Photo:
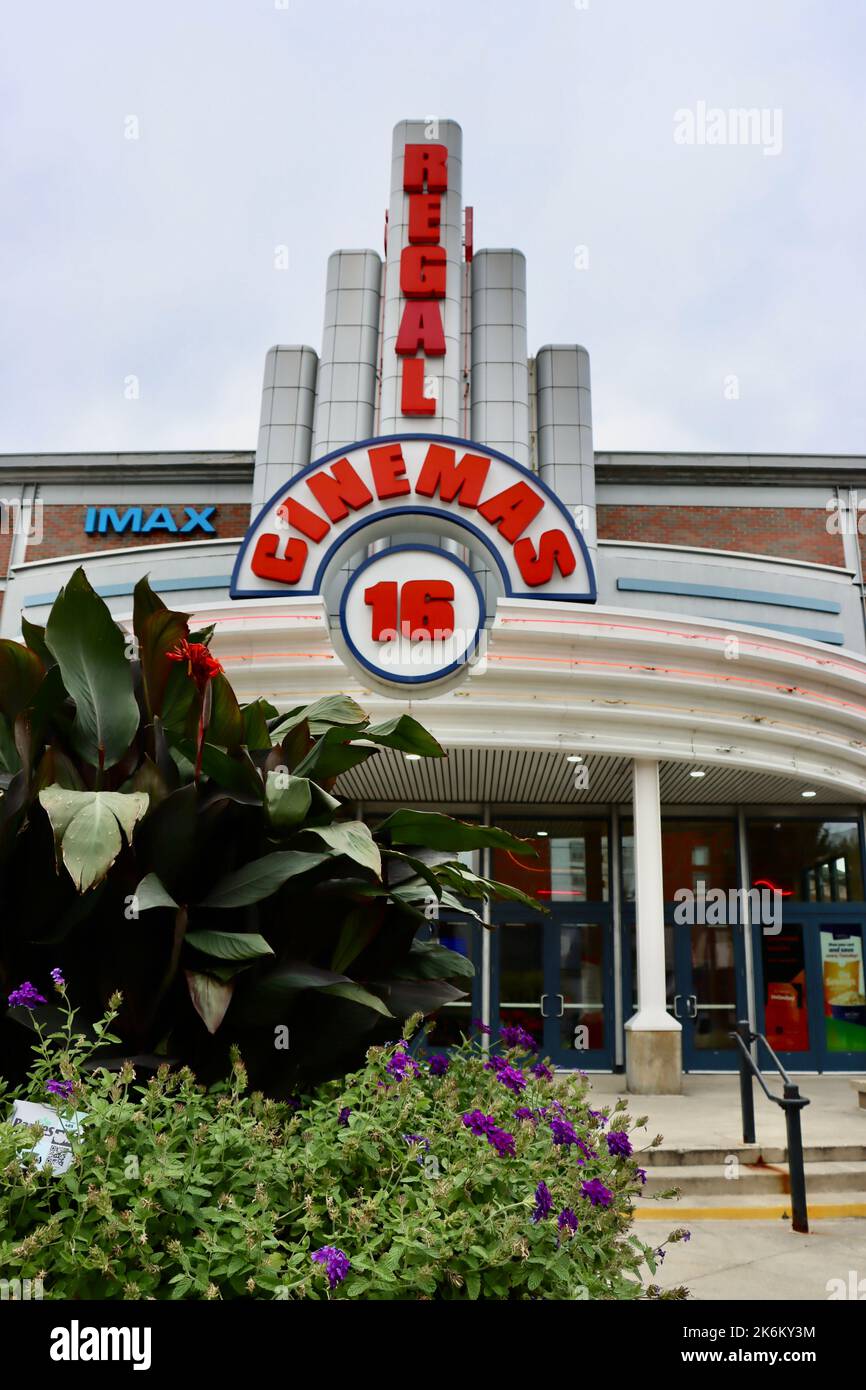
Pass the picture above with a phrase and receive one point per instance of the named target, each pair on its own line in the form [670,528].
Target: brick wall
[795,533]
[64,534]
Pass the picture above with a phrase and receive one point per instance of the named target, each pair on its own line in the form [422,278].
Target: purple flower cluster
[344,1116]
[439,1065]
[598,1194]
[513,1035]
[567,1220]
[542,1072]
[480,1027]
[618,1144]
[418,1139]
[402,1067]
[26,996]
[563,1132]
[57,977]
[511,1077]
[336,1262]
[480,1124]
[59,1088]
[543,1203]
[523,1112]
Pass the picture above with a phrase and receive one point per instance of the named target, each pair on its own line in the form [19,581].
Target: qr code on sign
[58,1156]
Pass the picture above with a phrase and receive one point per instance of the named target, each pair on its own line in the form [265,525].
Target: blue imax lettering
[101,520]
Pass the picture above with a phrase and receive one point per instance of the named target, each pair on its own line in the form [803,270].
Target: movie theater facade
[652,666]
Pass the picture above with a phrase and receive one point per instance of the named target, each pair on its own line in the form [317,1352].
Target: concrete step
[710,1180]
[750,1206]
[692,1157]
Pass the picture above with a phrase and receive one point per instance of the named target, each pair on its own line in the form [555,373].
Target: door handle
[561,998]
[541,1003]
[676,1006]
[692,1005]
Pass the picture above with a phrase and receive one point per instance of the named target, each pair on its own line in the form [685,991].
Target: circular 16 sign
[412,614]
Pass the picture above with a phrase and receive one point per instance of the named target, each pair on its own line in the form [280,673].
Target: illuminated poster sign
[413,613]
[844,991]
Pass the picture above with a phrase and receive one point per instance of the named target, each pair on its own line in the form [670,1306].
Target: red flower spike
[199,662]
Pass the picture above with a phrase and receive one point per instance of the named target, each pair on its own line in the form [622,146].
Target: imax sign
[101,520]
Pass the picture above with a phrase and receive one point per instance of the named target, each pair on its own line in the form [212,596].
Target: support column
[653,1039]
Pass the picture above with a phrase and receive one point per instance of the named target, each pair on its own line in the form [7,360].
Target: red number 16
[423,608]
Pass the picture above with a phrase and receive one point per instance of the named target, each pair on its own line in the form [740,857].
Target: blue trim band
[165,586]
[815,634]
[733,595]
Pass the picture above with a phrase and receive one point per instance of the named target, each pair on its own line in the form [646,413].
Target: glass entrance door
[553,972]
[812,993]
[707,992]
[553,977]
[809,968]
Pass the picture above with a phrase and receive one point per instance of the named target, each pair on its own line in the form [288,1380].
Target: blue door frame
[701,1017]
[824,1035]
[566,989]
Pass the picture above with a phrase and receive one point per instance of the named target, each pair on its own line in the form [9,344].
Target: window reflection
[693,853]
[812,861]
[570,864]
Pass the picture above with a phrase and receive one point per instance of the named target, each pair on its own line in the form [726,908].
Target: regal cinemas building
[652,666]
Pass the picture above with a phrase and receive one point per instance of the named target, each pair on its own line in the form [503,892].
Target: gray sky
[262,125]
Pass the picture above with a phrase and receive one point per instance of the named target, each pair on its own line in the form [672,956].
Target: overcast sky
[724,299]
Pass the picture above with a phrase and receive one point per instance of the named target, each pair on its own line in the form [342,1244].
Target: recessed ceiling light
[697,772]
[574,758]
[413,757]
[808,793]
[542,834]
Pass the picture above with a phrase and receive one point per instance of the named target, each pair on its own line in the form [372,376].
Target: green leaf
[354,840]
[333,753]
[229,945]
[427,960]
[91,653]
[21,674]
[261,877]
[407,735]
[435,831]
[158,631]
[358,995]
[470,885]
[226,725]
[321,715]
[34,636]
[358,929]
[152,893]
[255,717]
[210,997]
[287,800]
[86,828]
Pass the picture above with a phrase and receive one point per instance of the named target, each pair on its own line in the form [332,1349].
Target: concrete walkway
[748,1251]
[761,1261]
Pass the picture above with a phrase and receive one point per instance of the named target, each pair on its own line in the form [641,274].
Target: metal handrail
[791,1102]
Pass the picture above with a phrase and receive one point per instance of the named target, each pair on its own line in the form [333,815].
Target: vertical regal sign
[423,273]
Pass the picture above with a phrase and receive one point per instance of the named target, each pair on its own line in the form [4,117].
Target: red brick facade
[64,533]
[791,533]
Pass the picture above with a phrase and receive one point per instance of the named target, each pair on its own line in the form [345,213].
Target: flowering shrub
[413,1178]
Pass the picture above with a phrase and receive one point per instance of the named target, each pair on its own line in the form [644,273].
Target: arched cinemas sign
[412,613]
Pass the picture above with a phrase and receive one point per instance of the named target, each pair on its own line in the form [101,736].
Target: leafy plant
[160,839]
[476,1178]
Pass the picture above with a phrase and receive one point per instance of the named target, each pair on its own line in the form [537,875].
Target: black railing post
[796,1170]
[747,1093]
